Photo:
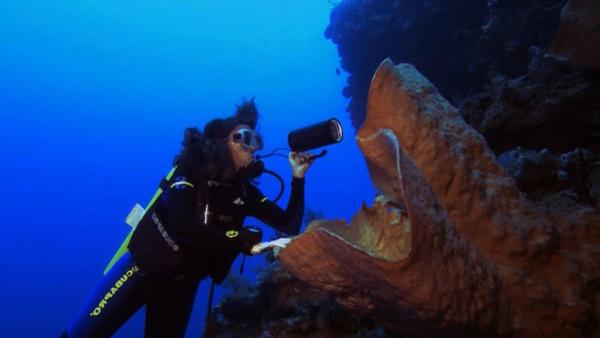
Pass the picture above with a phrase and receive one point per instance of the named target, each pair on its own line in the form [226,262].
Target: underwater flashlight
[316,135]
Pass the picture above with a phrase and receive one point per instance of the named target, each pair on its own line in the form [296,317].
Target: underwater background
[486,221]
[94,98]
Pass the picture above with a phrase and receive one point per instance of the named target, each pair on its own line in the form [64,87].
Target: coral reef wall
[451,248]
[459,45]
[555,105]
[578,38]
[281,305]
[488,219]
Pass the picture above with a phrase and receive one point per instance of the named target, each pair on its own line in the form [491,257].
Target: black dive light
[306,138]
[316,135]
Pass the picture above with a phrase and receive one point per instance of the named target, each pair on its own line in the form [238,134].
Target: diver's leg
[117,297]
[169,307]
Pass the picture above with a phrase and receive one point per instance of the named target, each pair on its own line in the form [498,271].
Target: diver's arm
[187,226]
[288,220]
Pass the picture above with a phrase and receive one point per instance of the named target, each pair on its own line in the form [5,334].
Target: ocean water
[94,97]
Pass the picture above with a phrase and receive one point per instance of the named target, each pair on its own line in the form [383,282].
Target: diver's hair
[206,158]
[206,154]
[247,112]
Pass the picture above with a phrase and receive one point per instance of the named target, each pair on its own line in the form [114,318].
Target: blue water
[94,96]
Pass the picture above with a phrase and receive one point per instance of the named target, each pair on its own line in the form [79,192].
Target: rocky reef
[578,36]
[460,46]
[451,248]
[556,105]
[487,223]
[281,305]
[544,125]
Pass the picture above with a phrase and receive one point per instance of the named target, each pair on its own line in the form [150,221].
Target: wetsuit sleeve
[186,225]
[288,220]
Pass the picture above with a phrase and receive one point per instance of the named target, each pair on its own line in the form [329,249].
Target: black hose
[281,184]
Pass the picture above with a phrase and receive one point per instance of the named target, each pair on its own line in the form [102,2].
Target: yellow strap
[123,247]
[154,198]
[120,252]
[170,174]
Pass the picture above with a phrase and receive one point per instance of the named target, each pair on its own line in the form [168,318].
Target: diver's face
[241,153]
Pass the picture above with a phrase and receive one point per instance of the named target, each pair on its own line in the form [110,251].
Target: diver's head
[238,134]
[224,148]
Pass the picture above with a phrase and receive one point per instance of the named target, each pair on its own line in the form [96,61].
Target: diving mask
[248,138]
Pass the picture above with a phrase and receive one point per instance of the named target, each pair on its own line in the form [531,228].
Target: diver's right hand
[300,162]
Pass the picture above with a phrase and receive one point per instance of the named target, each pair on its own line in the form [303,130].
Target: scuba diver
[192,229]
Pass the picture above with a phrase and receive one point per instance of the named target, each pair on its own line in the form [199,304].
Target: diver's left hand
[276,245]
[300,163]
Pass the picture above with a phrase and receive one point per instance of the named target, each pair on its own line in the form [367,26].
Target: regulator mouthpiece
[253,170]
[316,135]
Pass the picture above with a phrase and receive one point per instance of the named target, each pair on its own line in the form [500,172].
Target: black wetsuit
[163,267]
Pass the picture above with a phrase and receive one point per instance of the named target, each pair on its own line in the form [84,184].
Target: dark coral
[578,37]
[482,229]
[555,105]
[450,248]
[453,248]
[458,45]
[281,305]
[555,181]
